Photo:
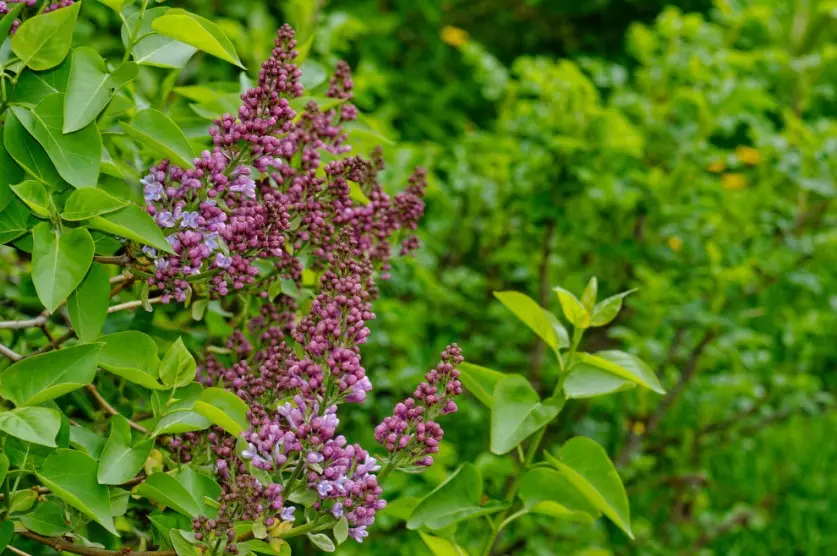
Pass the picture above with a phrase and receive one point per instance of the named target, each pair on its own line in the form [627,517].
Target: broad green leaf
[15,220]
[178,366]
[90,87]
[182,546]
[133,356]
[7,531]
[480,381]
[121,458]
[71,476]
[624,365]
[197,31]
[23,500]
[4,466]
[533,315]
[586,466]
[34,195]
[5,26]
[88,441]
[548,492]
[201,487]
[573,309]
[607,309]
[76,156]
[35,86]
[442,547]
[153,129]
[154,49]
[166,490]
[38,425]
[89,202]
[341,530]
[134,223]
[88,304]
[180,421]
[321,541]
[517,413]
[457,499]
[223,408]
[29,154]
[47,519]
[10,174]
[59,262]
[43,377]
[43,41]
[587,381]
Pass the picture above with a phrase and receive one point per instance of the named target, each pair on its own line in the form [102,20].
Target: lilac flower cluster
[410,435]
[261,195]
[237,204]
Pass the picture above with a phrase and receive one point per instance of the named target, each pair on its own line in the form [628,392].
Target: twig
[118,260]
[133,305]
[58,342]
[61,545]
[14,356]
[17,551]
[24,323]
[111,410]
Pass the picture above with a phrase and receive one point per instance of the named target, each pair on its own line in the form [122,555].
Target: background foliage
[686,149]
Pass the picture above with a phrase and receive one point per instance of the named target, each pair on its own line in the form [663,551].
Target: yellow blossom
[748,155]
[639,428]
[732,181]
[675,243]
[454,36]
[716,166]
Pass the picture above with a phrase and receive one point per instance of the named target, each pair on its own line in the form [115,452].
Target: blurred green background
[687,149]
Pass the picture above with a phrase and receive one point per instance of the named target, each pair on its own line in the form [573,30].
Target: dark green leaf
[15,220]
[10,174]
[41,378]
[153,129]
[4,466]
[47,519]
[517,413]
[133,356]
[29,154]
[88,441]
[43,41]
[178,365]
[7,530]
[197,31]
[59,262]
[33,424]
[167,491]
[71,476]
[88,304]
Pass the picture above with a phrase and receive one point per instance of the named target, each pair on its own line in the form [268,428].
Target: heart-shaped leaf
[38,425]
[40,378]
[59,262]
[26,151]
[606,310]
[121,458]
[156,131]
[547,492]
[43,41]
[88,305]
[168,491]
[34,195]
[480,381]
[517,413]
[587,381]
[624,365]
[197,31]
[535,317]
[223,408]
[178,366]
[133,356]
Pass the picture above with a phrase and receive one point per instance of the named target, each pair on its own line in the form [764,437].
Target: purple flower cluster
[411,434]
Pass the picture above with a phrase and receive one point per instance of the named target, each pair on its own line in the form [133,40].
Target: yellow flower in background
[454,36]
[748,155]
[716,166]
[733,181]
[639,428]
[675,243]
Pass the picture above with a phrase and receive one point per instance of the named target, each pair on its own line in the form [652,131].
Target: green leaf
[47,519]
[455,500]
[29,154]
[588,296]
[90,87]
[321,541]
[15,220]
[573,308]
[606,310]
[40,378]
[88,304]
[7,531]
[180,421]
[480,381]
[201,487]
[223,408]
[59,262]
[4,466]
[35,86]
[586,466]
[88,441]
[166,490]
[43,41]
[442,547]
[38,425]
[587,381]
[71,476]
[134,223]
[197,31]
[34,195]
[89,202]
[182,546]
[10,174]
[548,492]
[133,356]
[178,366]
[517,413]
[154,49]
[341,530]
[116,5]
[23,500]
[534,316]
[153,129]
[121,459]
[76,156]
[624,365]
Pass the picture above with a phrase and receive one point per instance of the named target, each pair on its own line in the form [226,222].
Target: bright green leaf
[532,315]
[15,220]
[480,381]
[121,459]
[89,202]
[34,195]
[153,129]
[548,492]
[90,87]
[517,413]
[88,304]
[624,365]
[38,425]
[47,519]
[321,541]
[197,31]
[133,356]
[223,408]
[154,49]
[166,490]
[442,547]
[134,223]
[43,41]
[607,309]
[573,308]
[59,262]
[180,421]
[178,365]
[26,151]
[35,86]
